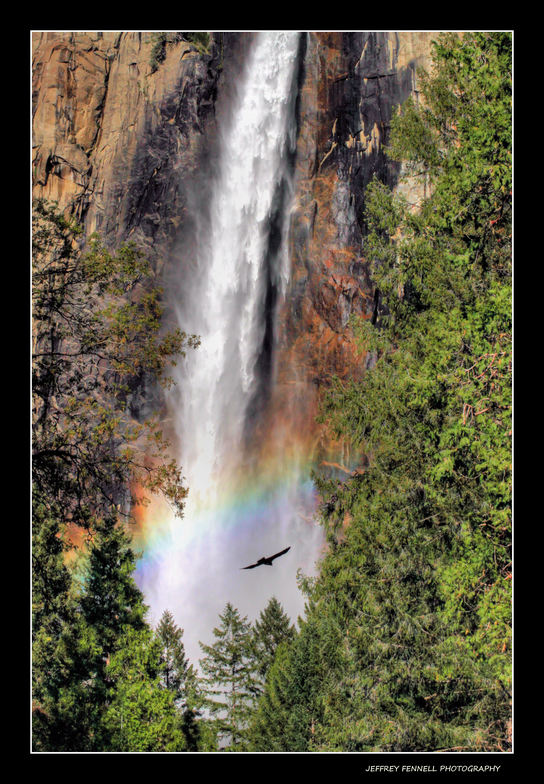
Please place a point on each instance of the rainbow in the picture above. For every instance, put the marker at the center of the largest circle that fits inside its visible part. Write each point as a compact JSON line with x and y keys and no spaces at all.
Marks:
{"x":242,"y":504}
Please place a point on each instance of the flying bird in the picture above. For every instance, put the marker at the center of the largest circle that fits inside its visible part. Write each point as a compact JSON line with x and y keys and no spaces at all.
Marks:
{"x":266,"y":561}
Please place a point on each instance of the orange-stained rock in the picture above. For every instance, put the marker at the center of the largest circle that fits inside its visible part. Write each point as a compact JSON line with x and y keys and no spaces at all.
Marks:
{"x":119,"y":145}
{"x":352,"y":83}
{"x":113,"y":137}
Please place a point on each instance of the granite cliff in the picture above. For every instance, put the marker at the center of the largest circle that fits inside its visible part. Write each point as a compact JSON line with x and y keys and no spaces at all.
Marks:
{"x":123,"y":138}
{"x":351,"y":84}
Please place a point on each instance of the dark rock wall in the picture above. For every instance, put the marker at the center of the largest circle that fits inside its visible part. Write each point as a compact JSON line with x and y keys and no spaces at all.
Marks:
{"x":351,"y":84}
{"x":130,"y":149}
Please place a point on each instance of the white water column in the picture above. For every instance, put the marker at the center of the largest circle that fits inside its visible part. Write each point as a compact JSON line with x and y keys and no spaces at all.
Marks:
{"x":224,"y":303}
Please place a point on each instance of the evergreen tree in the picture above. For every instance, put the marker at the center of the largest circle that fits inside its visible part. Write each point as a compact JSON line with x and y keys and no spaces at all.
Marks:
{"x":96,"y":323}
{"x":62,"y":648}
{"x":180,"y":678}
{"x":51,"y":579}
{"x":229,"y":678}
{"x":271,"y":628}
{"x":271,"y":715}
{"x":111,"y":600}
{"x":110,"y":604}
{"x":174,"y":664}
{"x":414,"y":591}
{"x":290,"y":707}
{"x":141,"y":714}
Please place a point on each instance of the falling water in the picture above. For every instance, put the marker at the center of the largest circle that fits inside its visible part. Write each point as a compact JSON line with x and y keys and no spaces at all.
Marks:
{"x":239,"y":506}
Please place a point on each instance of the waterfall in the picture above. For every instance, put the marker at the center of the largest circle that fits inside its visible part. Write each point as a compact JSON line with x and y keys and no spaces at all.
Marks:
{"x":227,"y":297}
{"x":240,"y":505}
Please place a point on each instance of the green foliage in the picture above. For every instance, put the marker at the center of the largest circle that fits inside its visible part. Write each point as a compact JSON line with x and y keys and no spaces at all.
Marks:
{"x":415,"y":587}
{"x":102,"y":680}
{"x":158,"y":51}
{"x":96,"y":338}
{"x":63,"y":649}
{"x":174,"y":667}
{"x":141,"y":715}
{"x":76,"y":633}
{"x":201,"y":41}
{"x":229,"y":678}
{"x":291,"y":707}
{"x":110,"y":599}
{"x":180,"y":678}
{"x":51,"y":580}
{"x":200,"y":38}
{"x":271,"y":628}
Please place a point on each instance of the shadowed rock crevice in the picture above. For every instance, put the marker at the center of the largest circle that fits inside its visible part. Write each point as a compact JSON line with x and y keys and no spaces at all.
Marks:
{"x":132,"y":152}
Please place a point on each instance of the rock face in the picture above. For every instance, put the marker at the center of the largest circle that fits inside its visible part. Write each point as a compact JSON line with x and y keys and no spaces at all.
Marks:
{"x":124,"y":126}
{"x":115,"y":135}
{"x":352,"y":84}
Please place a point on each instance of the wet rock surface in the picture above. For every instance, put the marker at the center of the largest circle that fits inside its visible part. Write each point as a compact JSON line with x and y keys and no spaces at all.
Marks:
{"x":128,"y":146}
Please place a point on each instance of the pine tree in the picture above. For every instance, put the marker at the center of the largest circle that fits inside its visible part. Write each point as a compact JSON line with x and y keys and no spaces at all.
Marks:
{"x":271,"y":715}
{"x":141,"y":714}
{"x":272,"y":628}
{"x":290,"y":707}
{"x":406,"y":646}
{"x":174,"y":664}
{"x":110,"y":604}
{"x":62,"y":648}
{"x":111,"y":600}
{"x":180,"y":678}
{"x":229,"y":678}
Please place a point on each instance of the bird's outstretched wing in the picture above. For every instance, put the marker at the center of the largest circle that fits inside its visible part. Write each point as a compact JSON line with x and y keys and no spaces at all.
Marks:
{"x":281,"y":552}
{"x":268,"y":560}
